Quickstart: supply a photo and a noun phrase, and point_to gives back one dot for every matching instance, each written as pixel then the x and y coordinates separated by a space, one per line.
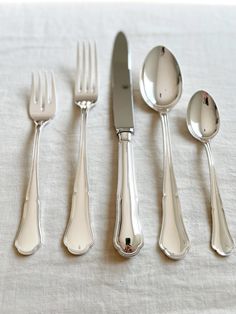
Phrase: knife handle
pixel 128 237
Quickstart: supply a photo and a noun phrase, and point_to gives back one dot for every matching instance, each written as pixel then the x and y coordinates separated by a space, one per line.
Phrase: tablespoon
pixel 203 123
pixel 161 88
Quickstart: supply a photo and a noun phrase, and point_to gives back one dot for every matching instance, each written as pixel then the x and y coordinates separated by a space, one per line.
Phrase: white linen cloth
pixel 52 281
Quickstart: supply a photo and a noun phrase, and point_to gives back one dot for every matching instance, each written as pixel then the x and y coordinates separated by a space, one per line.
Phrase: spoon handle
pixel 128 237
pixel 173 237
pixel 221 240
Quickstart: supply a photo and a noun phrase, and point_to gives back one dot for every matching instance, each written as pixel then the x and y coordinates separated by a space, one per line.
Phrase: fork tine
pixel 78 69
pixel 85 67
pixel 46 96
pixel 53 91
pixel 95 69
pixel 91 66
pixel 93 62
pixel 40 93
pixel 33 90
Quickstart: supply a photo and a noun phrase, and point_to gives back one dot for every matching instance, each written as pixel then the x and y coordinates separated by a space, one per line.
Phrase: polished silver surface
pixel 203 123
pixel 78 237
pixel 161 80
pixel 161 88
pixel 128 237
pixel 42 109
pixel 122 86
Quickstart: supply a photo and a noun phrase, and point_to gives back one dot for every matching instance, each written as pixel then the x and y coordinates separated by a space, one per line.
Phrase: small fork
pixel 42 109
pixel 78 236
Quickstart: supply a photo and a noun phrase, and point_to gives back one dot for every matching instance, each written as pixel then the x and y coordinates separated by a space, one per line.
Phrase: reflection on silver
pixel 203 123
pixel 161 88
pixel 128 237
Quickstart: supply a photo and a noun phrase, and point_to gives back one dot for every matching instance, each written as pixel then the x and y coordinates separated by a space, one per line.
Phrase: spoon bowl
pixel 160 79
pixel 203 116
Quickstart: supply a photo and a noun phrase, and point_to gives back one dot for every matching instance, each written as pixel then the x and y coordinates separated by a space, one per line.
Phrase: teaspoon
pixel 203 123
pixel 161 88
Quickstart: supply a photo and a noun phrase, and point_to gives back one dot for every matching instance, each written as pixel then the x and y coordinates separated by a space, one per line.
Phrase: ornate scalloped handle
pixel 221 240
pixel 128 237
pixel 173 237
pixel 78 236
pixel 28 238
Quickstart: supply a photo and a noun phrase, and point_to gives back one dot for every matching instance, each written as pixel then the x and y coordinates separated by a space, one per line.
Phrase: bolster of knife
pixel 128 237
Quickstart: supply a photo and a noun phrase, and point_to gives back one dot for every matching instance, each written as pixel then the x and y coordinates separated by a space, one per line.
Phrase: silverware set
pixel 161 88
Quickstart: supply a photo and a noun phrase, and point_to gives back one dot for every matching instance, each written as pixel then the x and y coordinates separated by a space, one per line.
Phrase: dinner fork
pixel 42 109
pixel 78 236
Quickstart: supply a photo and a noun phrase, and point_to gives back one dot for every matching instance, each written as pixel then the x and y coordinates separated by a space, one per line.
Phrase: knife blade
pixel 122 86
pixel 128 237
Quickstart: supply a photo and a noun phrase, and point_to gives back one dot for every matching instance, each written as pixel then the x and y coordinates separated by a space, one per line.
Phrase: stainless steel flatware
pixel 161 88
pixel 203 122
pixel 128 237
pixel 78 236
pixel 42 109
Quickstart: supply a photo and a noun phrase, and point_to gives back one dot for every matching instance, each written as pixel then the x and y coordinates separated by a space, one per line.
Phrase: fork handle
pixel 78 236
pixel 128 237
pixel 28 238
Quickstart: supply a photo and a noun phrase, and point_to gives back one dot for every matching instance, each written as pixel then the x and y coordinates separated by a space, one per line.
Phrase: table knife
pixel 128 237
